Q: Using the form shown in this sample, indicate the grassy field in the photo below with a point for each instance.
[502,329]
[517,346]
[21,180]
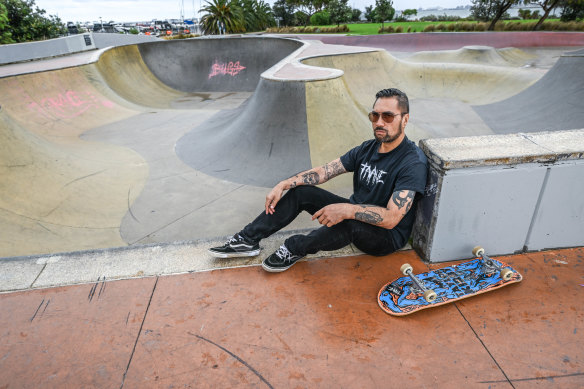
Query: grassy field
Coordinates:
[413,26]
[373,28]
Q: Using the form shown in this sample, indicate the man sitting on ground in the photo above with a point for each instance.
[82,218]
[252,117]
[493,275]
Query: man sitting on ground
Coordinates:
[389,173]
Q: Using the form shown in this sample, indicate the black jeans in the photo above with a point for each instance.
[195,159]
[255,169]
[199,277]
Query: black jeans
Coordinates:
[366,237]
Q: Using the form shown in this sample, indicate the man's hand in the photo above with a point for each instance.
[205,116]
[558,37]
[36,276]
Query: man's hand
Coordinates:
[315,176]
[273,197]
[332,214]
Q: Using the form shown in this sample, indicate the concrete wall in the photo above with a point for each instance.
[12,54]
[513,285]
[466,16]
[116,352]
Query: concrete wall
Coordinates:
[19,52]
[103,40]
[506,193]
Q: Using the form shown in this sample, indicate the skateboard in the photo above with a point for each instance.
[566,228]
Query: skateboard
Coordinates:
[413,293]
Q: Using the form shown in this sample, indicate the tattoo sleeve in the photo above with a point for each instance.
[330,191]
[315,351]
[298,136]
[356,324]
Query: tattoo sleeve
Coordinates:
[403,199]
[317,175]
[368,216]
[311,178]
[333,169]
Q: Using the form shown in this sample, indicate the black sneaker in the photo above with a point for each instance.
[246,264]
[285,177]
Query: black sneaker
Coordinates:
[281,260]
[237,246]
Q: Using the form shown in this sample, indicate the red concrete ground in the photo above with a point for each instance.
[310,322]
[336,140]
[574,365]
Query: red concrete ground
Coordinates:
[316,325]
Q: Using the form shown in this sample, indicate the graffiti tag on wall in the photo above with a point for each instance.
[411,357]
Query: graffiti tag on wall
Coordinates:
[223,68]
[69,105]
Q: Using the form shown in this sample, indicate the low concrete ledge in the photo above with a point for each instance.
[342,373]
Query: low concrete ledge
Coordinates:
[21,52]
[59,269]
[507,193]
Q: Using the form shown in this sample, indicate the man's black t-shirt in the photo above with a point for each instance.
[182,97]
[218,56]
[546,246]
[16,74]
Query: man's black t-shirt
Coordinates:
[377,175]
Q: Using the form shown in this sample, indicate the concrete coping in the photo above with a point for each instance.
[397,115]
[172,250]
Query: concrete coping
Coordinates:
[58,269]
[292,68]
[510,149]
[288,69]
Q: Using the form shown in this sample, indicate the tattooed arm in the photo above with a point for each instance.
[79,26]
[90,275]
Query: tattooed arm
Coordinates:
[399,204]
[315,176]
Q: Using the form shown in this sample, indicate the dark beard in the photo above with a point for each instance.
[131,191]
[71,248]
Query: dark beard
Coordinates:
[387,138]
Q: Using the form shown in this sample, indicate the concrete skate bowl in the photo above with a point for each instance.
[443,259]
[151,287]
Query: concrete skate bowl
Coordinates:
[453,40]
[69,175]
[308,119]
[441,94]
[157,142]
[555,102]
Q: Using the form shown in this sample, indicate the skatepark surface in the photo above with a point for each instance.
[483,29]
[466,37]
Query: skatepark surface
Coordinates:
[155,143]
[316,325]
[121,166]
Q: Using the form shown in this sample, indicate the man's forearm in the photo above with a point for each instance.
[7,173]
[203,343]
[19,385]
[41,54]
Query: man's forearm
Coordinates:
[387,217]
[315,176]
[375,215]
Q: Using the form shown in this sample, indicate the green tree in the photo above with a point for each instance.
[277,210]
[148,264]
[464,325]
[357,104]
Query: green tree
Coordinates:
[307,7]
[225,12]
[572,10]
[5,34]
[547,6]
[524,14]
[340,11]
[384,11]
[370,14]
[301,18]
[284,11]
[27,22]
[356,15]
[492,10]
[409,12]
[257,15]
[321,18]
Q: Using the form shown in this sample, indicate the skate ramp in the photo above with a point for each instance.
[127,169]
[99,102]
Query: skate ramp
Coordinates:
[60,193]
[137,147]
[476,55]
[555,102]
[423,41]
[440,94]
[67,181]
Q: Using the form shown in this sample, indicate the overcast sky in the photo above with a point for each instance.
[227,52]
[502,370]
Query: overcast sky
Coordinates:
[144,10]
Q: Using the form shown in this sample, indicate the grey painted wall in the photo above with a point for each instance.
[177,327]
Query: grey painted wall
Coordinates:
[19,52]
[506,193]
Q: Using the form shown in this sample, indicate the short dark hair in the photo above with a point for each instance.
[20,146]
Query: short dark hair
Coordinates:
[402,99]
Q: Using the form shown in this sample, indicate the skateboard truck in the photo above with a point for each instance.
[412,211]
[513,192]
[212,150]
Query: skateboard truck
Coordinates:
[429,294]
[505,274]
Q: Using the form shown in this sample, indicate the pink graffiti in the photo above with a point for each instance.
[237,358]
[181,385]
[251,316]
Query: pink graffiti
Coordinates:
[231,68]
[68,105]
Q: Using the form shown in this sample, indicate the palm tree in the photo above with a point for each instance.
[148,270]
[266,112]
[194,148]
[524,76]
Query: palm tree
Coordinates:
[227,12]
[258,15]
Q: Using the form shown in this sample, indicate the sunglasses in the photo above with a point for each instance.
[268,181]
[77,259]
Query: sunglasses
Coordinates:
[386,116]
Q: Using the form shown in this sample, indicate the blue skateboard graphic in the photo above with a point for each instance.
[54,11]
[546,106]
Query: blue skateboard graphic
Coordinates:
[411,293]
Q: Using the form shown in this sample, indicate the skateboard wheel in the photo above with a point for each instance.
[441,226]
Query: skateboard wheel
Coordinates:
[430,295]
[405,268]
[506,274]
[478,251]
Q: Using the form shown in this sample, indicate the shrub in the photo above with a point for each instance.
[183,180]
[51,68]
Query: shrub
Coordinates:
[307,30]
[321,18]
[481,27]
[399,29]
[513,26]
[430,28]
